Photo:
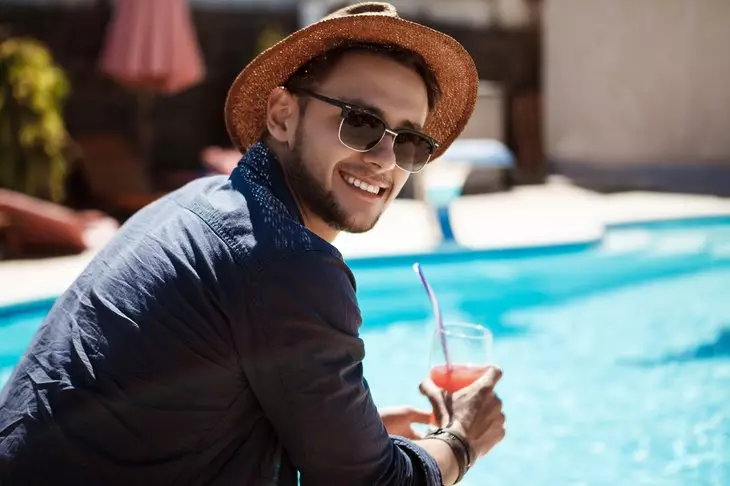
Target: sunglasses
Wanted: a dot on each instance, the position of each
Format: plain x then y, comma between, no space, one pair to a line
360,130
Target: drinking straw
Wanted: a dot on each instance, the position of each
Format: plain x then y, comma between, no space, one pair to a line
436,310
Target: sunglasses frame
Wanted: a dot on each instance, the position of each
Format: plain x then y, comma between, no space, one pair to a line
349,107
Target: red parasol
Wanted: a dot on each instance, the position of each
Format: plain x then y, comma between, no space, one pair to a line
151,47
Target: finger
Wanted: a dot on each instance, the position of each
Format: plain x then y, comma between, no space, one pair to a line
491,377
494,414
419,416
415,435
434,394
438,402
428,387
414,414
410,435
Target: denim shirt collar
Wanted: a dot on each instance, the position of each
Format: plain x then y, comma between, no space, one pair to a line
260,165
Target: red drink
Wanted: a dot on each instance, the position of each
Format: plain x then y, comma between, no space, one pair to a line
457,377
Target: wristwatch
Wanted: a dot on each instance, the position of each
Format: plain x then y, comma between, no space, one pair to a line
459,445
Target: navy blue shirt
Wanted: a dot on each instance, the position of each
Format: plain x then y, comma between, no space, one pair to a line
213,341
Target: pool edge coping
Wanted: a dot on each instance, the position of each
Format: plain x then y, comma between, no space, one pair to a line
452,250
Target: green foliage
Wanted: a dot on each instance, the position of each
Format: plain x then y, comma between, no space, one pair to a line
33,137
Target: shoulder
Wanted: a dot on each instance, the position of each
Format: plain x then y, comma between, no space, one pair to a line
313,265
254,223
305,286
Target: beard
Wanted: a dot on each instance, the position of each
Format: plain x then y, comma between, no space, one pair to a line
312,194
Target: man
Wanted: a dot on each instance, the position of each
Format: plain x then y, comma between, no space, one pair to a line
215,340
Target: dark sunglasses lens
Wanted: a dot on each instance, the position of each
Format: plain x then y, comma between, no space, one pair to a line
412,151
361,131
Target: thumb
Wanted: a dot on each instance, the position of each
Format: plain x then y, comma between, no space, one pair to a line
438,402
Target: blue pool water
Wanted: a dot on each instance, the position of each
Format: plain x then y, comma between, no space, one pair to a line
616,356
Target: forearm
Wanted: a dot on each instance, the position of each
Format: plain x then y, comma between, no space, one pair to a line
444,456
302,357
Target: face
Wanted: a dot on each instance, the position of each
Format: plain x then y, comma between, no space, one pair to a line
330,180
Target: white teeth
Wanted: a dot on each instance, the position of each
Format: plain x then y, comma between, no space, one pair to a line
362,185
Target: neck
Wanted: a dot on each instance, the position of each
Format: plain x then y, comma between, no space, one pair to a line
317,226
314,223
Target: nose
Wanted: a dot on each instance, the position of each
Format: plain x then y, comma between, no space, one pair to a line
383,154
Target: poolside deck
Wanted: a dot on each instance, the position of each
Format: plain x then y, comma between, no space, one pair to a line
560,213
553,213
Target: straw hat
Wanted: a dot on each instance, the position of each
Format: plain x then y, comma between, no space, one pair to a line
372,22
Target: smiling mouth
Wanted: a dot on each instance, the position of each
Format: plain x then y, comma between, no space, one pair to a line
363,186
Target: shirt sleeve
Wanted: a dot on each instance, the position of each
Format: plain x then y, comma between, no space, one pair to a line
302,357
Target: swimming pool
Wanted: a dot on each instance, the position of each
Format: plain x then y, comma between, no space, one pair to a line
616,354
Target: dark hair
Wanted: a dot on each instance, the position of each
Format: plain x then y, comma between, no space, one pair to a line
316,70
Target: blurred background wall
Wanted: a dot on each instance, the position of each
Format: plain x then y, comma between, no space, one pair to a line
637,92
615,94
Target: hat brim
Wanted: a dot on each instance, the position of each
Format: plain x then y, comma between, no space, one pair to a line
453,67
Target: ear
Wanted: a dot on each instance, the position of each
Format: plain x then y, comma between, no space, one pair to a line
282,115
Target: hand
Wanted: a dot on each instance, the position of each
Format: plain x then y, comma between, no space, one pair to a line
475,411
399,420
441,402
